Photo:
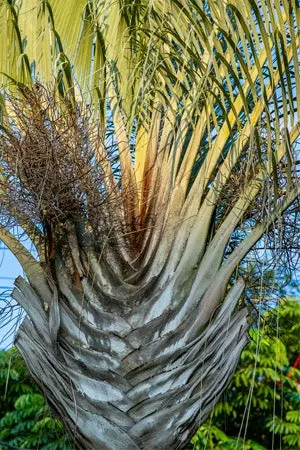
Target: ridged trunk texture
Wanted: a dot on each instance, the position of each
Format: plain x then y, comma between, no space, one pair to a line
142,373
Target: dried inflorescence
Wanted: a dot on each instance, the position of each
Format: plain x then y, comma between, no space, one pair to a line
51,173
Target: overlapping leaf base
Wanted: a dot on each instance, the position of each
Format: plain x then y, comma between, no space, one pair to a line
119,379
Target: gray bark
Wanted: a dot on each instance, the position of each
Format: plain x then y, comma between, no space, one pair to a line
122,373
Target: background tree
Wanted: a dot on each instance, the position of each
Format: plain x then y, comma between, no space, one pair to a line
24,416
260,408
143,199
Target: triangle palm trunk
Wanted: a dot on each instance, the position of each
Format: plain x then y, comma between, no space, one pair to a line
118,380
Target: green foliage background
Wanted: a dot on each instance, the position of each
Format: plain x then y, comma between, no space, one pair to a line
261,407
25,420
259,411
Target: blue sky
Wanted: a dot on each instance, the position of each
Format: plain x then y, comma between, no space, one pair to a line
9,270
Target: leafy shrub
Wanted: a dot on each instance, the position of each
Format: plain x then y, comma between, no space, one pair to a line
25,420
261,408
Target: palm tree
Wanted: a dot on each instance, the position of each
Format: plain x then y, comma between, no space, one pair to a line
146,147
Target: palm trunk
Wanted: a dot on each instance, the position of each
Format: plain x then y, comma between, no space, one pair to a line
119,375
